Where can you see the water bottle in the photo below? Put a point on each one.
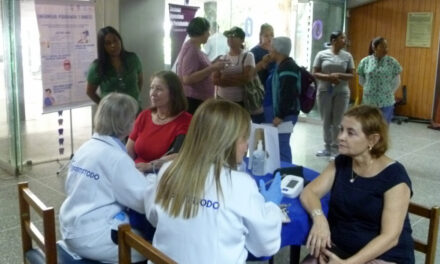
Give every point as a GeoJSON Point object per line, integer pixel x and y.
{"type": "Point", "coordinates": [258, 160]}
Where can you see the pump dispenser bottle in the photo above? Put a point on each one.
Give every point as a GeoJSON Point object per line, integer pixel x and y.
{"type": "Point", "coordinates": [258, 160]}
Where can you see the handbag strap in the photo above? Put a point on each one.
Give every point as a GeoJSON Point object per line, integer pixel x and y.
{"type": "Point", "coordinates": [242, 61]}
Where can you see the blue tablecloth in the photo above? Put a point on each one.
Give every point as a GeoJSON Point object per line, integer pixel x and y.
{"type": "Point", "coordinates": [295, 233]}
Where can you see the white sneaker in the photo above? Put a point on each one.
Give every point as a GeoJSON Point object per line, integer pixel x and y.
{"type": "Point", "coordinates": [323, 153]}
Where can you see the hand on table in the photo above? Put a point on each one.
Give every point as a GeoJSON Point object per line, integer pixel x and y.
{"type": "Point", "coordinates": [273, 194]}
{"type": "Point", "coordinates": [319, 236]}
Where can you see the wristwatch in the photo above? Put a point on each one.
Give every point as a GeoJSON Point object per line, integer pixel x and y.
{"type": "Point", "coordinates": [316, 212]}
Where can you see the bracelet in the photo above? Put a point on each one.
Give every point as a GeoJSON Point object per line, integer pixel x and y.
{"type": "Point", "coordinates": [316, 212]}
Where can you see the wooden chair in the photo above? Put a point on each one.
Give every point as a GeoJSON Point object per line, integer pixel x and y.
{"type": "Point", "coordinates": [127, 240]}
{"type": "Point", "coordinates": [433, 214]}
{"type": "Point", "coordinates": [46, 253]}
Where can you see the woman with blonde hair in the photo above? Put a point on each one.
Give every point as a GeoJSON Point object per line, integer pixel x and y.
{"type": "Point", "coordinates": [204, 209]}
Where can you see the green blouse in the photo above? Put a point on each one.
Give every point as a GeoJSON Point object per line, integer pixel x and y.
{"type": "Point", "coordinates": [126, 83]}
{"type": "Point", "coordinates": [379, 78]}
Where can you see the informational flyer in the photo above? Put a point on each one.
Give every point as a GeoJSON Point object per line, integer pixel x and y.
{"type": "Point", "coordinates": [68, 47]}
{"type": "Point", "coordinates": [419, 29]}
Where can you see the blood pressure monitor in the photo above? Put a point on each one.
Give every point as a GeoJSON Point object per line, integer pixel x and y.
{"type": "Point", "coordinates": [292, 186]}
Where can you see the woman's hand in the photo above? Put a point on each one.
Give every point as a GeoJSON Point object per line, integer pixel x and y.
{"type": "Point", "coordinates": [144, 167]}
{"type": "Point", "coordinates": [332, 258]}
{"type": "Point", "coordinates": [319, 236]}
{"type": "Point", "coordinates": [334, 77]}
{"type": "Point", "coordinates": [276, 121]}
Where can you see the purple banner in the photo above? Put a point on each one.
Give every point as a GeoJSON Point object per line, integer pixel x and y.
{"type": "Point", "coordinates": [180, 16]}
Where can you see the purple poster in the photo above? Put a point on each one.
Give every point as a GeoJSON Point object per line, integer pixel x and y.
{"type": "Point", "coordinates": [180, 16]}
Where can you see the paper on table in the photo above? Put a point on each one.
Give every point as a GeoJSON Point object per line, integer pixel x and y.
{"type": "Point", "coordinates": [285, 127]}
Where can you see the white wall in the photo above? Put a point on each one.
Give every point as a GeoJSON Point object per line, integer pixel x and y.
{"type": "Point", "coordinates": [141, 27]}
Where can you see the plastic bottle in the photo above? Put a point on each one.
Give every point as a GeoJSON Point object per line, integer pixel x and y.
{"type": "Point", "coordinates": [258, 160]}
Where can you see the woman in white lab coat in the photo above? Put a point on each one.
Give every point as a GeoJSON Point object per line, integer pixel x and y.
{"type": "Point", "coordinates": [101, 183]}
{"type": "Point", "coordinates": [204, 210]}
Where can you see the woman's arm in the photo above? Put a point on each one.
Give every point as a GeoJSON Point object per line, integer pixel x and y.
{"type": "Point", "coordinates": [238, 79]}
{"type": "Point", "coordinates": [396, 202]}
{"type": "Point", "coordinates": [262, 64]}
{"type": "Point", "coordinates": [202, 74]}
{"type": "Point", "coordinates": [345, 76]}
{"type": "Point", "coordinates": [91, 92]}
{"type": "Point", "coordinates": [324, 76]}
{"type": "Point", "coordinates": [396, 83]}
{"type": "Point", "coordinates": [319, 235]}
{"type": "Point", "coordinates": [130, 148]}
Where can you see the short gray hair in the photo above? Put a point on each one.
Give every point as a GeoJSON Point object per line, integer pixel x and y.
{"type": "Point", "coordinates": [282, 45]}
{"type": "Point", "coordinates": [115, 115]}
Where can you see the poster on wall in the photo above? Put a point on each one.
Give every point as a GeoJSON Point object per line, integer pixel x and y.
{"type": "Point", "coordinates": [68, 47]}
{"type": "Point", "coordinates": [419, 29]}
{"type": "Point", "coordinates": [180, 16]}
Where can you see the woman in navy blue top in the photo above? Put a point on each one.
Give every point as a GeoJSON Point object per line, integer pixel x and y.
{"type": "Point", "coordinates": [368, 217]}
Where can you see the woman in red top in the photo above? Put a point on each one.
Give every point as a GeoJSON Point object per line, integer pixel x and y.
{"type": "Point", "coordinates": [159, 131]}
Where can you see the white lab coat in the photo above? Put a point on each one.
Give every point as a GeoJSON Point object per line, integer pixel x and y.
{"type": "Point", "coordinates": [102, 181]}
{"type": "Point", "coordinates": [224, 229]}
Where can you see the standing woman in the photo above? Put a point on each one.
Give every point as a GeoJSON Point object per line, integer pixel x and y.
{"type": "Point", "coordinates": [239, 71]}
{"type": "Point", "coordinates": [333, 68]}
{"type": "Point", "coordinates": [194, 67]}
{"type": "Point", "coordinates": [115, 69]}
{"type": "Point", "coordinates": [204, 210]}
{"type": "Point", "coordinates": [379, 74]}
{"type": "Point", "coordinates": [159, 131]}
{"type": "Point", "coordinates": [264, 66]}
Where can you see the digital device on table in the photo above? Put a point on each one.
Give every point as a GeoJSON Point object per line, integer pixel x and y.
{"type": "Point", "coordinates": [297, 171]}
{"type": "Point", "coordinates": [292, 186]}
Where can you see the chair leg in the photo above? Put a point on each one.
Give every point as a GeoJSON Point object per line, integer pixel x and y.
{"type": "Point", "coordinates": [294, 254]}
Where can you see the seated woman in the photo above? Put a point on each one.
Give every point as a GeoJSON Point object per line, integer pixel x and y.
{"type": "Point", "coordinates": [159, 131]}
{"type": "Point", "coordinates": [102, 181]}
{"type": "Point", "coordinates": [368, 220]}
{"type": "Point", "coordinates": [204, 210]}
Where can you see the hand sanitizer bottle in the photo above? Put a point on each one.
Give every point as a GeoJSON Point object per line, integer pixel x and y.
{"type": "Point", "coordinates": [258, 160]}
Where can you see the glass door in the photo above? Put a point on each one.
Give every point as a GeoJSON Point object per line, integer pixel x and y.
{"type": "Point", "coordinates": [10, 141]}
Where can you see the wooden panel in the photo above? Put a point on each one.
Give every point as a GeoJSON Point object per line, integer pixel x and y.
{"type": "Point", "coordinates": [388, 18]}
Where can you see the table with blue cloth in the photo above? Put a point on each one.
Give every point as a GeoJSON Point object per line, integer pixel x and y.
{"type": "Point", "coordinates": [294, 234]}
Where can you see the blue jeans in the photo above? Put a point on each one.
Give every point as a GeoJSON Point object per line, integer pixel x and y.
{"type": "Point", "coordinates": [284, 140]}
{"type": "Point", "coordinates": [388, 113]}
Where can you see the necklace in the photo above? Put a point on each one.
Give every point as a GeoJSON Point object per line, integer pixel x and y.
{"type": "Point", "coordinates": [354, 175]}
{"type": "Point", "coordinates": [161, 118]}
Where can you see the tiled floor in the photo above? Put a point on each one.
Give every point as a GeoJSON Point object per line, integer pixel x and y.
{"type": "Point", "coordinates": [415, 146]}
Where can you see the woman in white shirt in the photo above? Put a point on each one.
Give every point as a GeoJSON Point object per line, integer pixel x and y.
{"type": "Point", "coordinates": [204, 210]}
{"type": "Point", "coordinates": [239, 69]}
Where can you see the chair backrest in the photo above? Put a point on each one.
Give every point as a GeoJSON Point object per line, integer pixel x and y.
{"type": "Point", "coordinates": [127, 240]}
{"type": "Point", "coordinates": [428, 247]}
{"type": "Point", "coordinates": [46, 240]}
{"type": "Point", "coordinates": [402, 100]}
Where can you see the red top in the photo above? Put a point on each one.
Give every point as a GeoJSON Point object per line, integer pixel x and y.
{"type": "Point", "coordinates": [151, 141]}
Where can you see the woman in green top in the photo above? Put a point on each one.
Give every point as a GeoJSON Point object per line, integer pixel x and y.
{"type": "Point", "coordinates": [115, 69]}
{"type": "Point", "coordinates": [379, 74]}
